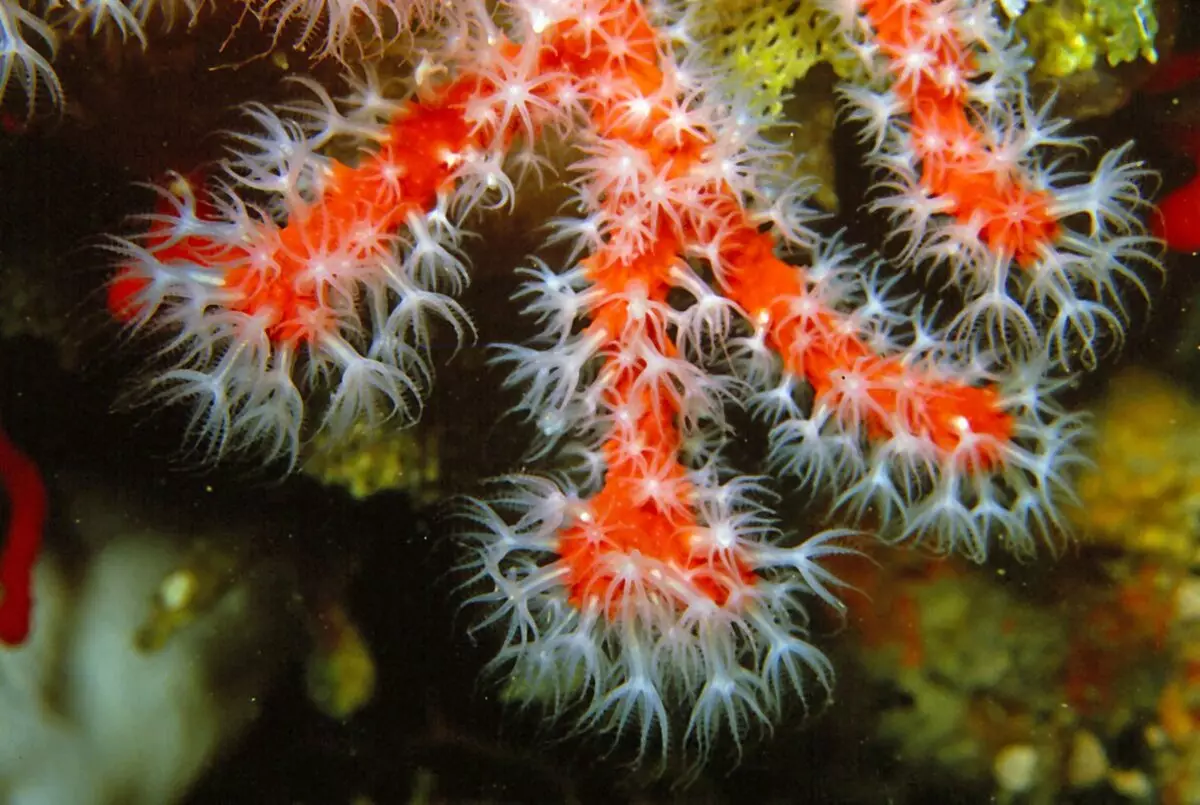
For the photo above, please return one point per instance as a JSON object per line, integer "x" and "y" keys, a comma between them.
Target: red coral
{"x": 27, "y": 497}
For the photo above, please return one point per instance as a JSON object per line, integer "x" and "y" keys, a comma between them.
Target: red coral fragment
{"x": 1178, "y": 221}
{"x": 22, "y": 482}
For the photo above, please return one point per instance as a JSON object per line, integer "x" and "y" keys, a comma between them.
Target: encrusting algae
{"x": 1142, "y": 493}
{"x": 370, "y": 460}
{"x": 1071, "y": 36}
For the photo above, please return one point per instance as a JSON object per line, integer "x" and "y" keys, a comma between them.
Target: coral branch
{"x": 298, "y": 293}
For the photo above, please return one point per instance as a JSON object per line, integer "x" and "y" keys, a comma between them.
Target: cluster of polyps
{"x": 30, "y": 29}
{"x": 647, "y": 577}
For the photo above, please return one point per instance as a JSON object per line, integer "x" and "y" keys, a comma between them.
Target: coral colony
{"x": 642, "y": 585}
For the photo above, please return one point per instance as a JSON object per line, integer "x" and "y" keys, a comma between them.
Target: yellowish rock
{"x": 340, "y": 672}
{"x": 1088, "y": 763}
